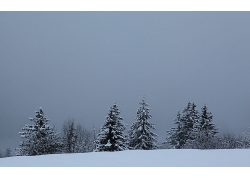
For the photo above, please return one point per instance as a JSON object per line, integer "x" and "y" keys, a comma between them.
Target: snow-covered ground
{"x": 136, "y": 164}
{"x": 137, "y": 158}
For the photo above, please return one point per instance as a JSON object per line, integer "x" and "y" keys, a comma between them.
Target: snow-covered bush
{"x": 233, "y": 141}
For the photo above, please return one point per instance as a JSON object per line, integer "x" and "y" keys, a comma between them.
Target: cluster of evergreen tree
{"x": 193, "y": 129}
{"x": 41, "y": 138}
{"x": 113, "y": 138}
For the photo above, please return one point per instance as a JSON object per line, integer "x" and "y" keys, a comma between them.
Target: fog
{"x": 78, "y": 64}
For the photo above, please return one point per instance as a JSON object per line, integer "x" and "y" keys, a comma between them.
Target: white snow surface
{"x": 137, "y": 158}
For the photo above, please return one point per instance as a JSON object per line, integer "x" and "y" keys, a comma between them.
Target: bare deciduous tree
{"x": 76, "y": 139}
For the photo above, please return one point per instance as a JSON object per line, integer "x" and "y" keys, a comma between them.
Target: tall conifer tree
{"x": 140, "y": 134}
{"x": 39, "y": 138}
{"x": 176, "y": 136}
{"x": 183, "y": 133}
{"x": 110, "y": 137}
{"x": 204, "y": 130}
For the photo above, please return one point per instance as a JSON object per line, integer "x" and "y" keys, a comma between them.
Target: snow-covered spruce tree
{"x": 178, "y": 136}
{"x": 204, "y": 131}
{"x": 190, "y": 116}
{"x": 140, "y": 134}
{"x": 39, "y": 138}
{"x": 110, "y": 137}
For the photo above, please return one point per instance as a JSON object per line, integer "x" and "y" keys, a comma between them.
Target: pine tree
{"x": 176, "y": 136}
{"x": 110, "y": 137}
{"x": 39, "y": 138}
{"x": 190, "y": 118}
{"x": 183, "y": 133}
{"x": 140, "y": 134}
{"x": 204, "y": 130}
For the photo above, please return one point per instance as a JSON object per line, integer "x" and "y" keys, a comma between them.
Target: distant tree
{"x": 140, "y": 134}
{"x": 84, "y": 140}
{"x": 165, "y": 145}
{"x": 229, "y": 141}
{"x": 39, "y": 138}
{"x": 7, "y": 152}
{"x": 76, "y": 139}
{"x": 69, "y": 136}
{"x": 111, "y": 137}
{"x": 1, "y": 155}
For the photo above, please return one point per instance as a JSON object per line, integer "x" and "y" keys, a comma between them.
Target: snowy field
{"x": 137, "y": 158}
{"x": 135, "y": 164}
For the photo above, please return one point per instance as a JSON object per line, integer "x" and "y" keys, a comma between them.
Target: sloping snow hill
{"x": 137, "y": 158}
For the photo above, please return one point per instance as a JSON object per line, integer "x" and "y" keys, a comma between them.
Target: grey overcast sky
{"x": 77, "y": 64}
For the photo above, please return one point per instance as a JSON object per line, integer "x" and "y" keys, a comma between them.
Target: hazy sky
{"x": 77, "y": 64}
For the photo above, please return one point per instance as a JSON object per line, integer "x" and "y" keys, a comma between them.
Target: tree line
{"x": 193, "y": 130}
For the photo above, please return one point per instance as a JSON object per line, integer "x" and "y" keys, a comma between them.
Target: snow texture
{"x": 137, "y": 158}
